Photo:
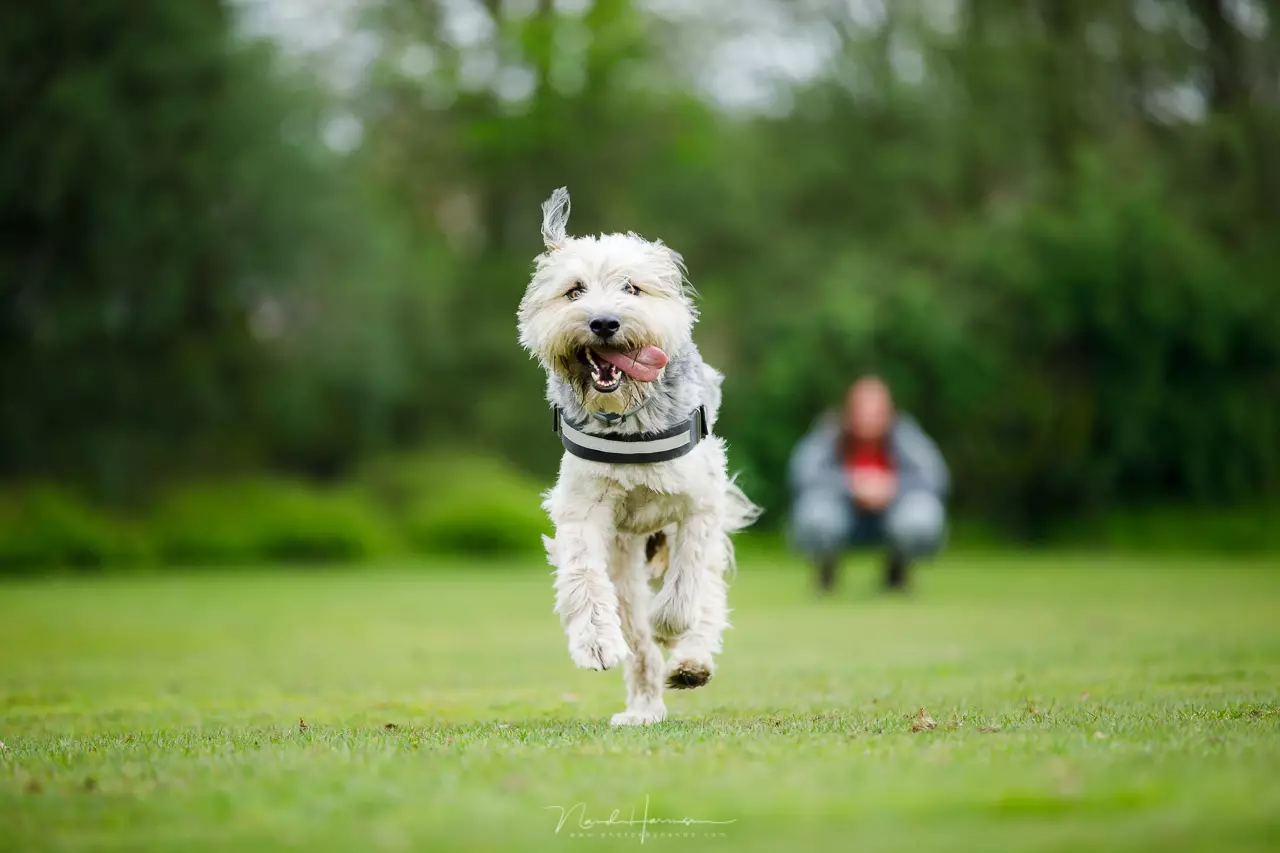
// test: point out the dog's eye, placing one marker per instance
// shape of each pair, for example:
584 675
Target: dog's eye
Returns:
630 287
575 291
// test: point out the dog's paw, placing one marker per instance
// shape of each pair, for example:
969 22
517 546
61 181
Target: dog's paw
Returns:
598 648
687 674
639 716
670 614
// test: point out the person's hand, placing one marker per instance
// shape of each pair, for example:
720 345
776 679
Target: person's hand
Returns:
873 490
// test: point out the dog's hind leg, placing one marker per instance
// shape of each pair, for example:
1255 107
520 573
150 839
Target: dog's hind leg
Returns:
692 653
699 550
644 669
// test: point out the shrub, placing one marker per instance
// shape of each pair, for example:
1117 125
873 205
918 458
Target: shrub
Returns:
265 519
43 527
1238 530
1094 353
458 503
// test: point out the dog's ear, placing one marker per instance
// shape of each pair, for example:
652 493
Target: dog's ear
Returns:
555 219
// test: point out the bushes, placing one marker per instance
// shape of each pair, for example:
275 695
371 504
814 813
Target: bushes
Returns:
44 527
449 505
1236 530
458 504
399 505
1131 361
274 520
1093 354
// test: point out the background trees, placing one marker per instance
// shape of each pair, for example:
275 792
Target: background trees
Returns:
1050 224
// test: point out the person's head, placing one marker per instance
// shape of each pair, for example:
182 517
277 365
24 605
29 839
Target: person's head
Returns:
868 410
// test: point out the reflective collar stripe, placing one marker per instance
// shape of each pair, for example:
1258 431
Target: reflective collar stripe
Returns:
634 449
626 448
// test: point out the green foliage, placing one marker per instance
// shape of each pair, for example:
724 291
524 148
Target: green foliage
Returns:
1230 530
47 527
458 503
866 316
1091 353
243 521
429 503
158 183
1071 283
1124 362
1128 361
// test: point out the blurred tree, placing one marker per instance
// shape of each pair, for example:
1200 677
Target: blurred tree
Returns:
1050 224
147 196
1003 209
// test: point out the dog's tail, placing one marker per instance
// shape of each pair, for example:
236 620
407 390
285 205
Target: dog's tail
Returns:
740 513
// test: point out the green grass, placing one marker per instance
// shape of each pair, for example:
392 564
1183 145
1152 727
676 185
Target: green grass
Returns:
1080 704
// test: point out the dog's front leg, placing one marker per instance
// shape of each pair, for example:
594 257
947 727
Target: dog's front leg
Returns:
585 597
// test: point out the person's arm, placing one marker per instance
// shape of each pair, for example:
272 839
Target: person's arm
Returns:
920 463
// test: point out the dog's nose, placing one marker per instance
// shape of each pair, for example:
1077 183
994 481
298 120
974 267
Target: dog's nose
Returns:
604 325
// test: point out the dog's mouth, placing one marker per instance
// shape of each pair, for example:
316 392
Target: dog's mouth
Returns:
608 367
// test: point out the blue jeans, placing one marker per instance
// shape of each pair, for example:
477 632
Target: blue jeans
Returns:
825 524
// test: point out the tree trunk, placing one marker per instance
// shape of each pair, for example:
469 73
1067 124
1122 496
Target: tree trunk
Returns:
1230 86
1060 78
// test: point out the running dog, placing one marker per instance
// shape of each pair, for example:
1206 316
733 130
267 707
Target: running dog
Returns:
644 505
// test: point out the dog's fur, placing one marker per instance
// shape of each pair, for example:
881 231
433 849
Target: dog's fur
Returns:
624 531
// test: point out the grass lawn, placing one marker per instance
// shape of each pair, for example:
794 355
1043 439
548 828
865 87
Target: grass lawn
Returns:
1080 703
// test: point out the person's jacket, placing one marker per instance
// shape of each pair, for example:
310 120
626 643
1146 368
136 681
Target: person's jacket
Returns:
818 463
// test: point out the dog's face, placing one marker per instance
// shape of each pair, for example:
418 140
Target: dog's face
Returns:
604 313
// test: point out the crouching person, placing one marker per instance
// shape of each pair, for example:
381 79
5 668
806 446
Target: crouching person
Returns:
867 478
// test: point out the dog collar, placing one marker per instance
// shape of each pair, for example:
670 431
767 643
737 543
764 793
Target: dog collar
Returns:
633 449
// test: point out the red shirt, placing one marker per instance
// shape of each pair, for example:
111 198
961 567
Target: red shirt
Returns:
867 456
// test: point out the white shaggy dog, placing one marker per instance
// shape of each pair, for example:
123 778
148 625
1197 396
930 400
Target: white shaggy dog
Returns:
610 319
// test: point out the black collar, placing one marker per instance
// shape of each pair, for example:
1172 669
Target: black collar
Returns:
635 448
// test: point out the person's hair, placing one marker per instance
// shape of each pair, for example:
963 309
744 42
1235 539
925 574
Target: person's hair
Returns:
869 379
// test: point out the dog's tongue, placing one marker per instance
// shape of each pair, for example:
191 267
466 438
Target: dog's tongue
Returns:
641 365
